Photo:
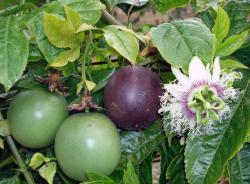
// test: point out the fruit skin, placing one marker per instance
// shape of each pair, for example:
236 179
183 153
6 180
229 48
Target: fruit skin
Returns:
131 97
34 117
87 142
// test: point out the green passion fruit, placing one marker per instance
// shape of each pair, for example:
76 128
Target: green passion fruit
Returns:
87 142
34 117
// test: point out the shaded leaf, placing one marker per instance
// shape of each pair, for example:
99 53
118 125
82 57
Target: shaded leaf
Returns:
123 42
144 171
137 146
130 175
239 166
176 170
14 51
238 12
168 154
13 180
179 41
207 155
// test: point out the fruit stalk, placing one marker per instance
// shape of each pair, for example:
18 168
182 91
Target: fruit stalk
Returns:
19 160
110 18
84 58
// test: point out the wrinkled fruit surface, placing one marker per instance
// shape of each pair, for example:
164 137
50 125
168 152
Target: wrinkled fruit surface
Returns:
131 97
34 117
87 142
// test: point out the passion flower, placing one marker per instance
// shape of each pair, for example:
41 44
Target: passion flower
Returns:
197 101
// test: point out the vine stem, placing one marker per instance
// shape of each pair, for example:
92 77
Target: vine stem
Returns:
111 19
84 59
18 158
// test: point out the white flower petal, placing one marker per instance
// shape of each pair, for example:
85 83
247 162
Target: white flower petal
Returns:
183 79
174 89
208 72
197 71
216 70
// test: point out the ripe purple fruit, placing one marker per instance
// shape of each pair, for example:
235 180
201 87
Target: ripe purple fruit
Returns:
131 97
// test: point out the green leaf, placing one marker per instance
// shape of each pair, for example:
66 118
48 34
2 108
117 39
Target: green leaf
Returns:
94 178
179 41
176 171
73 17
89 10
14 51
222 25
230 64
60 33
125 43
231 44
85 27
67 56
4 130
129 175
165 5
239 166
125 29
48 171
34 54
34 23
207 155
90 85
137 146
36 161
